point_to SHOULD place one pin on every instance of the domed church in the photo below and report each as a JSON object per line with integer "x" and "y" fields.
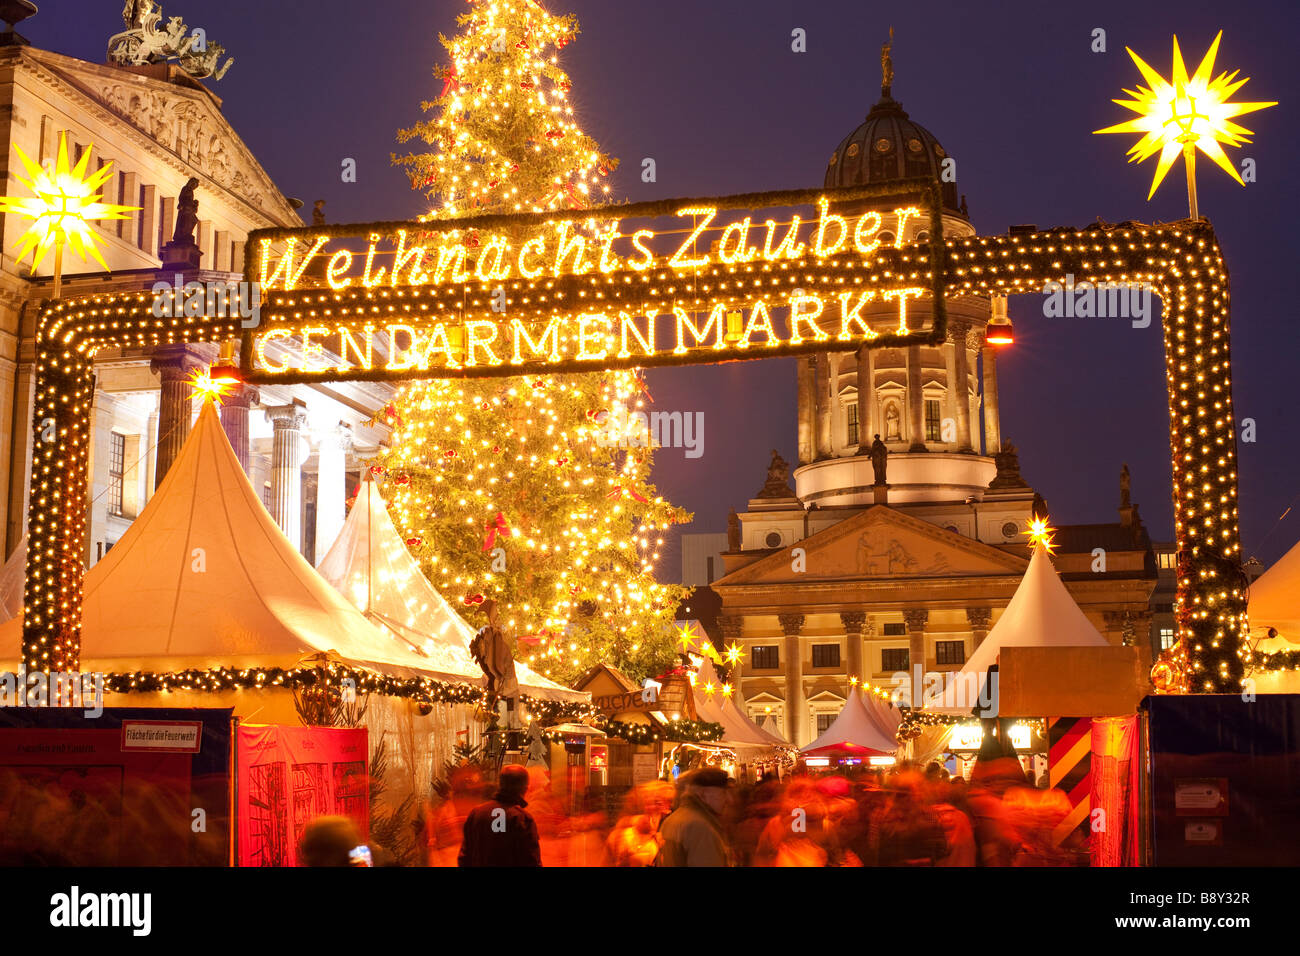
{"x": 832, "y": 575}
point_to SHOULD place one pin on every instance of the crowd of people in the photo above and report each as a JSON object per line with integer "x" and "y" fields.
{"x": 904, "y": 817}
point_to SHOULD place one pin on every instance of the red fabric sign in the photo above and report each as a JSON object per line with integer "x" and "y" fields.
{"x": 289, "y": 776}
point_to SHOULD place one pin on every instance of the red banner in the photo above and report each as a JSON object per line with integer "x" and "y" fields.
{"x": 289, "y": 776}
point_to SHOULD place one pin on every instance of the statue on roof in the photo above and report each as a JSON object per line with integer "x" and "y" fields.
{"x": 1125, "y": 487}
{"x": 778, "y": 478}
{"x": 887, "y": 65}
{"x": 143, "y": 42}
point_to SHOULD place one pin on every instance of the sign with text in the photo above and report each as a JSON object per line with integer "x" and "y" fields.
{"x": 664, "y": 283}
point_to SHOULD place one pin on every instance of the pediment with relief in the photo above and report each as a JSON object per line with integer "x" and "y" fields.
{"x": 182, "y": 121}
{"x": 880, "y": 543}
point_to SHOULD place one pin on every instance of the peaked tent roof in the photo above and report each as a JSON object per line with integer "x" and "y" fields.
{"x": 768, "y": 726}
{"x": 370, "y": 566}
{"x": 738, "y": 729}
{"x": 853, "y": 731}
{"x": 205, "y": 578}
{"x": 1274, "y": 598}
{"x": 1040, "y": 614}
{"x": 12, "y": 577}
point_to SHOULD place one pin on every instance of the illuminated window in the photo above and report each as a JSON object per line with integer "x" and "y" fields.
{"x": 765, "y": 658}
{"x": 950, "y": 652}
{"x": 1167, "y": 560}
{"x": 1166, "y": 638}
{"x": 931, "y": 419}
{"x": 852, "y": 409}
{"x": 116, "y": 470}
{"x": 826, "y": 655}
{"x": 894, "y": 659}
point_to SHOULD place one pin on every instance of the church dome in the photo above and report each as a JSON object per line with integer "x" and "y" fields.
{"x": 890, "y": 146}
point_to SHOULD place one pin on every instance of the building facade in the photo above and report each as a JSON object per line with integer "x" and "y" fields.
{"x": 832, "y": 576}
{"x": 301, "y": 446}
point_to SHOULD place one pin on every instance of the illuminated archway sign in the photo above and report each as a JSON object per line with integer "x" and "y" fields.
{"x": 661, "y": 283}
{"x": 669, "y": 297}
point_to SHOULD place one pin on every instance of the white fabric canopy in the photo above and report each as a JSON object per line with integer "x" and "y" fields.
{"x": 1274, "y": 599}
{"x": 205, "y": 578}
{"x": 1040, "y": 614}
{"x": 12, "y": 576}
{"x": 738, "y": 729}
{"x": 370, "y": 566}
{"x": 854, "y": 727}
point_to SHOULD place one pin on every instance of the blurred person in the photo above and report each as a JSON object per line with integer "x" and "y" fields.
{"x": 445, "y": 822}
{"x": 634, "y": 839}
{"x": 331, "y": 841}
{"x": 997, "y": 837}
{"x": 502, "y": 832}
{"x": 692, "y": 833}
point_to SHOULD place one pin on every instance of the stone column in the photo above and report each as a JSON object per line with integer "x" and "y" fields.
{"x": 979, "y": 618}
{"x": 866, "y": 399}
{"x": 234, "y": 420}
{"x": 826, "y": 440}
{"x": 286, "y": 468}
{"x": 916, "y": 619}
{"x": 807, "y": 398}
{"x": 992, "y": 424}
{"x": 173, "y": 364}
{"x": 331, "y": 486}
{"x": 961, "y": 389}
{"x": 974, "y": 342}
{"x": 853, "y": 622}
{"x": 915, "y": 399}
{"x": 792, "y": 624}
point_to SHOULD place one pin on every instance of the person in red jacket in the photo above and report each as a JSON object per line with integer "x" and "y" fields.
{"x": 501, "y": 832}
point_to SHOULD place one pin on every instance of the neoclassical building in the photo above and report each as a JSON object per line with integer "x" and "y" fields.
{"x": 831, "y": 578}
{"x": 159, "y": 126}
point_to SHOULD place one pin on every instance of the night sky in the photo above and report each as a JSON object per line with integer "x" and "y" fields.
{"x": 712, "y": 91}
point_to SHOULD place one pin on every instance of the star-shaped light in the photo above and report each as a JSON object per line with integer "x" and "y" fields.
{"x": 734, "y": 653}
{"x": 202, "y": 382}
{"x": 709, "y": 688}
{"x": 1040, "y": 533}
{"x": 685, "y": 637}
{"x": 1185, "y": 111}
{"x": 726, "y": 690}
{"x": 64, "y": 201}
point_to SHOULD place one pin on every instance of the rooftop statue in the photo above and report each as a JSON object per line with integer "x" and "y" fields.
{"x": 143, "y": 42}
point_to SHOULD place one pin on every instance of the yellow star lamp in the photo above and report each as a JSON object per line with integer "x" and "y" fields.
{"x": 1184, "y": 114}
{"x": 64, "y": 201}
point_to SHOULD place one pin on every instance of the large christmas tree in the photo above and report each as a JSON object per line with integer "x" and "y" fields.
{"x": 527, "y": 491}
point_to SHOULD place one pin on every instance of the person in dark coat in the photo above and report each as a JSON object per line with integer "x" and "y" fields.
{"x": 502, "y": 832}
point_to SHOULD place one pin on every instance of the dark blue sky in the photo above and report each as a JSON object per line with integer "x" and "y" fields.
{"x": 712, "y": 91}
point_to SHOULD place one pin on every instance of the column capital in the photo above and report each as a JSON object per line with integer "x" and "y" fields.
{"x": 731, "y": 625}
{"x": 956, "y": 331}
{"x": 290, "y": 417}
{"x": 916, "y": 618}
{"x": 979, "y": 617}
{"x": 177, "y": 361}
{"x": 853, "y": 621}
{"x": 975, "y": 339}
{"x": 791, "y": 624}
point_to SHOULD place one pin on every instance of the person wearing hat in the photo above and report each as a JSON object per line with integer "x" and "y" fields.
{"x": 501, "y": 832}
{"x": 692, "y": 834}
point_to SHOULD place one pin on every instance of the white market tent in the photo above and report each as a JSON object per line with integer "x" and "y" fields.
{"x": 738, "y": 729}
{"x": 370, "y": 566}
{"x": 1274, "y": 602}
{"x": 205, "y": 578}
{"x": 854, "y": 732}
{"x": 12, "y": 575}
{"x": 1040, "y": 614}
